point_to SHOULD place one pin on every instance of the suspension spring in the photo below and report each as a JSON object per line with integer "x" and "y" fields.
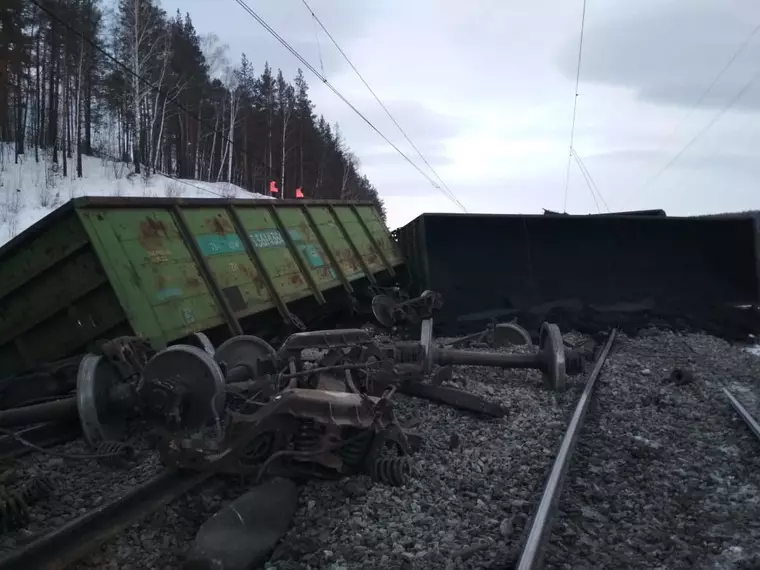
{"x": 115, "y": 453}
{"x": 14, "y": 512}
{"x": 15, "y": 503}
{"x": 36, "y": 489}
{"x": 395, "y": 471}
{"x": 308, "y": 437}
{"x": 354, "y": 452}
{"x": 258, "y": 449}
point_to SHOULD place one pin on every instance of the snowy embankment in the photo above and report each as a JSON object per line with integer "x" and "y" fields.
{"x": 30, "y": 190}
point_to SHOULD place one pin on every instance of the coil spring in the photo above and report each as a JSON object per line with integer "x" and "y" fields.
{"x": 308, "y": 437}
{"x": 354, "y": 452}
{"x": 14, "y": 512}
{"x": 36, "y": 489}
{"x": 15, "y": 503}
{"x": 115, "y": 453}
{"x": 395, "y": 471}
{"x": 258, "y": 449}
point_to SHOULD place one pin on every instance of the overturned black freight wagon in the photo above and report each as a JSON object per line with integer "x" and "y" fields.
{"x": 588, "y": 272}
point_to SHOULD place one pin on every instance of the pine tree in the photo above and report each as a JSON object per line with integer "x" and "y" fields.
{"x": 205, "y": 119}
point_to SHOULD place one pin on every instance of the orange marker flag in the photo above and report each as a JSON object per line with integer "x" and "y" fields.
{"x": 273, "y": 187}
{"x": 299, "y": 193}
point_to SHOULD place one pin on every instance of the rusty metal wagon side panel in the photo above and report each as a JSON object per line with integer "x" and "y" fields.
{"x": 164, "y": 268}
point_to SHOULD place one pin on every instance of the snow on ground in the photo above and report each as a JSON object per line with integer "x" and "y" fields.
{"x": 30, "y": 190}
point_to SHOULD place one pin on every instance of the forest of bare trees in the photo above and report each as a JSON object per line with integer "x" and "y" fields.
{"x": 162, "y": 98}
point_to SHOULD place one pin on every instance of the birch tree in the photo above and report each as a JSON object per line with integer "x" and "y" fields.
{"x": 139, "y": 19}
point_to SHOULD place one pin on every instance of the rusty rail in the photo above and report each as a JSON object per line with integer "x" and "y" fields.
{"x": 67, "y": 544}
{"x": 533, "y": 550}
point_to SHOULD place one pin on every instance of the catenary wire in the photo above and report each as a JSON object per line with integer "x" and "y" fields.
{"x": 588, "y": 182}
{"x": 590, "y": 178}
{"x": 377, "y": 98}
{"x": 332, "y": 88}
{"x": 710, "y": 123}
{"x": 575, "y": 105}
{"x": 702, "y": 97}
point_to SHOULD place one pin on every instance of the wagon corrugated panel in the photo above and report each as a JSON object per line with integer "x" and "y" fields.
{"x": 501, "y": 266}
{"x": 164, "y": 268}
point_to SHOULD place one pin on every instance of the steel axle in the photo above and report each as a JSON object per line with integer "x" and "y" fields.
{"x": 550, "y": 358}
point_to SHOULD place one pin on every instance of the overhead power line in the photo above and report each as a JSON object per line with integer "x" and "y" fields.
{"x": 588, "y": 183}
{"x": 377, "y": 98}
{"x": 702, "y": 97}
{"x": 589, "y": 179}
{"x": 575, "y": 104}
{"x": 170, "y": 98}
{"x": 324, "y": 80}
{"x": 709, "y": 124}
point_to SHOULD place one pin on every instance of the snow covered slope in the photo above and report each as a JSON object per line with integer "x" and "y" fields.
{"x": 30, "y": 190}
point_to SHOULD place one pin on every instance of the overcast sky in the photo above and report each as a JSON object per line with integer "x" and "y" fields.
{"x": 485, "y": 90}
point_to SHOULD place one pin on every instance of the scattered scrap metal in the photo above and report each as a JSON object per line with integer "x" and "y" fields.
{"x": 319, "y": 406}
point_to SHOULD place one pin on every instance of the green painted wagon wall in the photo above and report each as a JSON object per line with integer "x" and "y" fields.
{"x": 164, "y": 268}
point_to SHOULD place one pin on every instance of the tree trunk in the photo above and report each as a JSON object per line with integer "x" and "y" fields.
{"x": 269, "y": 143}
{"x": 136, "y": 85}
{"x": 52, "y": 137}
{"x": 160, "y": 134}
{"x": 285, "y": 120}
{"x": 233, "y": 113}
{"x": 65, "y": 142}
{"x": 88, "y": 116}
{"x": 79, "y": 111}
{"x": 197, "y": 161}
{"x": 213, "y": 145}
{"x": 20, "y": 119}
{"x": 38, "y": 124}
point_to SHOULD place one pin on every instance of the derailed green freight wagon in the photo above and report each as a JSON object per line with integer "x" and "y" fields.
{"x": 165, "y": 268}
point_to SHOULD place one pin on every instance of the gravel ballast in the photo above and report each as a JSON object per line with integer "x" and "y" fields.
{"x": 78, "y": 485}
{"x": 475, "y": 484}
{"x": 666, "y": 475}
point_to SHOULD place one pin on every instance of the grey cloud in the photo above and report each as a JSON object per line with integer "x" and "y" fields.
{"x": 384, "y": 158}
{"x": 424, "y": 126}
{"x": 346, "y": 20}
{"x": 668, "y": 53}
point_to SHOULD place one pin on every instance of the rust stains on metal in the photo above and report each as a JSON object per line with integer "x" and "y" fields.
{"x": 324, "y": 273}
{"x": 220, "y": 225}
{"x": 346, "y": 258}
{"x": 250, "y": 273}
{"x": 152, "y": 233}
{"x": 193, "y": 281}
{"x": 162, "y": 279}
{"x": 261, "y": 287}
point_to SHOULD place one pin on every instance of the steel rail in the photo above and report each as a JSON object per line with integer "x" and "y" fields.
{"x": 742, "y": 411}
{"x": 533, "y": 551}
{"x": 43, "y": 435}
{"x": 71, "y": 542}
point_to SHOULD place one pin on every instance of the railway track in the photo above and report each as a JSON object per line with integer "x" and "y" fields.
{"x": 540, "y": 531}
{"x": 665, "y": 474}
{"x": 63, "y": 546}
{"x": 478, "y": 496}
{"x": 747, "y": 412}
